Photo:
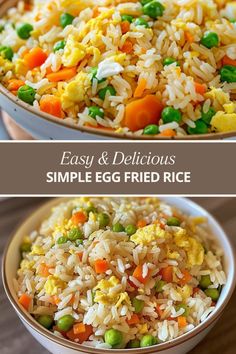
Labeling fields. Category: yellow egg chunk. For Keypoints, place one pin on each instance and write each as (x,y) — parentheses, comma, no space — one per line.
(193,248)
(37,250)
(75,91)
(147,234)
(74,52)
(52,285)
(224,122)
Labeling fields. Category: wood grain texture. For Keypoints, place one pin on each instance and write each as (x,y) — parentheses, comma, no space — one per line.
(15,339)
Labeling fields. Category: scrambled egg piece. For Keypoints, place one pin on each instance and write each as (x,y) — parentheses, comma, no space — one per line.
(143,328)
(185,292)
(75,91)
(103,295)
(147,234)
(52,285)
(5,65)
(192,247)
(223,121)
(172,254)
(37,250)
(218,95)
(25,264)
(74,52)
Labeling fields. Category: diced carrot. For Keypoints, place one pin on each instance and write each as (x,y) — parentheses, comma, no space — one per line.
(142,112)
(72,300)
(189,37)
(182,322)
(125,27)
(62,75)
(55,300)
(186,277)
(138,274)
(159,310)
(44,270)
(15,84)
(227,61)
(141,223)
(200,88)
(49,70)
(81,337)
(101,266)
(79,328)
(140,88)
(134,319)
(79,218)
(167,274)
(127,47)
(80,255)
(26,51)
(96,12)
(25,300)
(51,105)
(195,290)
(36,57)
(168,133)
(27,6)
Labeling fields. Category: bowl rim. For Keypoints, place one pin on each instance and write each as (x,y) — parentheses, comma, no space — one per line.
(102,132)
(34,325)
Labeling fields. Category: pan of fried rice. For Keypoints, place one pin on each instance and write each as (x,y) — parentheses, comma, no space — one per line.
(121,273)
(138,69)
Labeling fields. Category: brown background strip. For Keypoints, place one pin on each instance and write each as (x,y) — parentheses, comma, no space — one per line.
(24,167)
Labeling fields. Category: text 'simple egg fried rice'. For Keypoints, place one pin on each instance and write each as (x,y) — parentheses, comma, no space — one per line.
(163,67)
(120,272)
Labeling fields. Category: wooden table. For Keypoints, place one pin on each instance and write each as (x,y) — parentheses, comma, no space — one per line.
(15,339)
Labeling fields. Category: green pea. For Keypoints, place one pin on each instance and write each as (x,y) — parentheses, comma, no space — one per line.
(65,323)
(130,229)
(228,73)
(102,93)
(26,94)
(205,281)
(6,52)
(103,220)
(2,28)
(184,307)
(170,114)
(66,19)
(128,18)
(24,30)
(159,286)
(210,40)
(173,221)
(232,20)
(91,209)
(59,45)
(134,343)
(151,129)
(207,116)
(213,294)
(95,111)
(46,321)
(61,240)
(113,337)
(25,247)
(138,305)
(79,242)
(153,9)
(201,128)
(141,22)
(74,234)
(169,60)
(148,340)
(93,72)
(118,227)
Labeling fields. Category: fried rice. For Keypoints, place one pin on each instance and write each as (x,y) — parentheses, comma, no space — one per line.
(120,272)
(163,67)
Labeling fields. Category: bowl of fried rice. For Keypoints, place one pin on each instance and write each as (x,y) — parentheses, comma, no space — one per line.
(149,69)
(95,275)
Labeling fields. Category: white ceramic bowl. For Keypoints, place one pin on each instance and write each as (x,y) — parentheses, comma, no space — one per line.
(57,345)
(46,127)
